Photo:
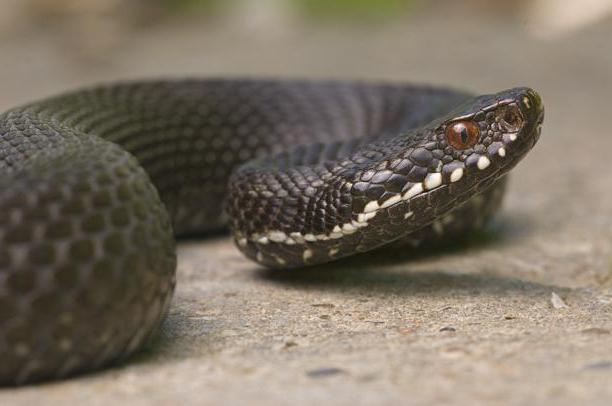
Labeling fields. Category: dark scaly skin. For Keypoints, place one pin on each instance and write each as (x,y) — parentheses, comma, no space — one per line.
(94,185)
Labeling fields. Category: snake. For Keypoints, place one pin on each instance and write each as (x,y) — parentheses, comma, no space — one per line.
(96,184)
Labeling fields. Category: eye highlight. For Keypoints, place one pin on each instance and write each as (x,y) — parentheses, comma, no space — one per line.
(462,134)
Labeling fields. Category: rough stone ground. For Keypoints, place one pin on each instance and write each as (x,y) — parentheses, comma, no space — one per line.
(463,325)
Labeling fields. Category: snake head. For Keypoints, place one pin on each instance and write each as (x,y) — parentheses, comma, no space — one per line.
(451,159)
(378,190)
(488,135)
(436,168)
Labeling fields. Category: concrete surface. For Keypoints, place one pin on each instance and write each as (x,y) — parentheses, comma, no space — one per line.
(520,315)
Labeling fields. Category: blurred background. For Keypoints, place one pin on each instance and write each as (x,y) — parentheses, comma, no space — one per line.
(50,45)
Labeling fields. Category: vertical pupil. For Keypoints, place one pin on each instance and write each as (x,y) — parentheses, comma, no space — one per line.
(464,135)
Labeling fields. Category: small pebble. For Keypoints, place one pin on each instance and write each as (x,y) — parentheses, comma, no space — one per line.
(448,328)
(595,330)
(557,302)
(324,372)
(326,305)
(599,365)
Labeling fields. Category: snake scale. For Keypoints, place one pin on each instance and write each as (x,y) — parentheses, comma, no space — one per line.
(95,185)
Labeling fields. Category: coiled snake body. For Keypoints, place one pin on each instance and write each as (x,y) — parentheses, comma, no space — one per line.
(94,185)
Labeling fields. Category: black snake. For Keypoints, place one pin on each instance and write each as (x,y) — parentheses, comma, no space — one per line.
(94,185)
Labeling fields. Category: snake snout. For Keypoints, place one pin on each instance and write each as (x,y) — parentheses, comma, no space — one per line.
(490,136)
(532,109)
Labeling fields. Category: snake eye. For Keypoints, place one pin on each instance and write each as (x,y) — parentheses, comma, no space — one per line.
(462,134)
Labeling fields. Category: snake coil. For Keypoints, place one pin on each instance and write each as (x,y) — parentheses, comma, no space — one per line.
(95,184)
